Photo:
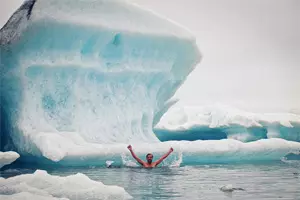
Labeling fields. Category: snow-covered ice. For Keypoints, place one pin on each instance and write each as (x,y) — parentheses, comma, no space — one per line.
(41,185)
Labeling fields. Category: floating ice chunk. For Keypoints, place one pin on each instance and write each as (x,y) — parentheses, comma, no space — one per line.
(28,196)
(230,188)
(109,163)
(8,157)
(77,186)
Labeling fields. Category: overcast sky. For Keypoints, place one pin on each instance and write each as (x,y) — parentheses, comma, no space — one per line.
(251,50)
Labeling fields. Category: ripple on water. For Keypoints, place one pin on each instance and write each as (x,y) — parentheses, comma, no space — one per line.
(248,182)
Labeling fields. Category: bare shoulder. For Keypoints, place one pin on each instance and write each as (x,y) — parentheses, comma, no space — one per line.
(154,164)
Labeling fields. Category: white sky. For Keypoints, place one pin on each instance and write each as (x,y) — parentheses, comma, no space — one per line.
(251,50)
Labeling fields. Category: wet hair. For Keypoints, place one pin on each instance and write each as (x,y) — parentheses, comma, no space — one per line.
(148,154)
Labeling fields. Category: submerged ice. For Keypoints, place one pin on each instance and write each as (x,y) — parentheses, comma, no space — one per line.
(103,70)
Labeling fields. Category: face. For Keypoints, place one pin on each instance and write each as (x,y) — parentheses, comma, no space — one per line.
(149,158)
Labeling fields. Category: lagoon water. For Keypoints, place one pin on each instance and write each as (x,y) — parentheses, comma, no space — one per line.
(279,180)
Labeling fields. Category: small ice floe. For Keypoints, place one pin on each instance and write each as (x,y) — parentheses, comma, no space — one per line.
(43,186)
(28,196)
(230,188)
(109,163)
(8,157)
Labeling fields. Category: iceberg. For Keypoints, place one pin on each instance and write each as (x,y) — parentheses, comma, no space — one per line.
(218,121)
(80,80)
(8,157)
(28,196)
(104,71)
(41,185)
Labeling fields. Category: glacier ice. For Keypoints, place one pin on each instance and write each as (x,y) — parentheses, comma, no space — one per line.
(220,121)
(8,157)
(41,185)
(103,70)
(82,79)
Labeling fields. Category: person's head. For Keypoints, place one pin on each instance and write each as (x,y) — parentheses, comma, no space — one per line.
(149,158)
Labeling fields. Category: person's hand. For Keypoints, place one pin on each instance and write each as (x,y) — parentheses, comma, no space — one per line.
(171,149)
(129,147)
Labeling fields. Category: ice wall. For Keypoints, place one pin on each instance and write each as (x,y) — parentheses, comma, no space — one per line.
(103,70)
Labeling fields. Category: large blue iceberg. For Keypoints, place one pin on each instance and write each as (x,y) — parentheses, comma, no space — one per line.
(105,70)
(82,79)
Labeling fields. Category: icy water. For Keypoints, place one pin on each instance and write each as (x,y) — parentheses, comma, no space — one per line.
(259,181)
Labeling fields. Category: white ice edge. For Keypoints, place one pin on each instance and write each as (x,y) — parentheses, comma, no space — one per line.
(41,185)
(119,15)
(8,157)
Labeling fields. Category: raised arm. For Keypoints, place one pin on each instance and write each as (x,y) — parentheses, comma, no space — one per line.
(134,156)
(163,157)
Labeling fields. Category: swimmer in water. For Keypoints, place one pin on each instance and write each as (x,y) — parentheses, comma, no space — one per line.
(149,158)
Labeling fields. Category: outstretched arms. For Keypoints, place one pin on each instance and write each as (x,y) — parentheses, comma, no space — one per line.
(163,157)
(134,156)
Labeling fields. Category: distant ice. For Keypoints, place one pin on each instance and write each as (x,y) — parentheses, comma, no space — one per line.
(8,157)
(221,121)
(220,115)
(40,185)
